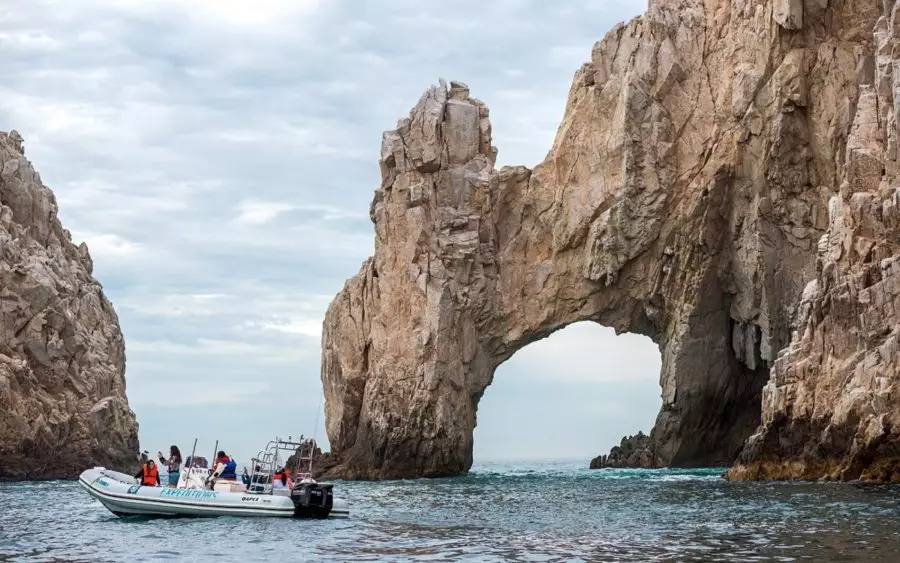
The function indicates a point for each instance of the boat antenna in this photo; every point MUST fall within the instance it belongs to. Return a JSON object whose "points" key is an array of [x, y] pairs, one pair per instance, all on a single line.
{"points": [[193, 461], [212, 460]]}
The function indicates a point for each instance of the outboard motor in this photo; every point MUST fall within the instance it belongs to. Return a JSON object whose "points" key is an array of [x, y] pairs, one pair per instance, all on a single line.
{"points": [[312, 500]]}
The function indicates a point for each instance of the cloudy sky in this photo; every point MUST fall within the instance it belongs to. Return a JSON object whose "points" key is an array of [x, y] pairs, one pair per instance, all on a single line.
{"points": [[219, 157]]}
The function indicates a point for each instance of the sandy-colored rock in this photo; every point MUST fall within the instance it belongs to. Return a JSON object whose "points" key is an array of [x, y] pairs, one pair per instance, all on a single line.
{"points": [[62, 356], [723, 182], [789, 13]]}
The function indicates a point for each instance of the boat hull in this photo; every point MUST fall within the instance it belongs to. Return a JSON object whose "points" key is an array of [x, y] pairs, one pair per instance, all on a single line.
{"points": [[121, 496]]}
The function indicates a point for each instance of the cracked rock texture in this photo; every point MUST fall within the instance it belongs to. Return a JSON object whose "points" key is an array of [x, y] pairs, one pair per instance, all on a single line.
{"points": [[62, 356], [723, 182]]}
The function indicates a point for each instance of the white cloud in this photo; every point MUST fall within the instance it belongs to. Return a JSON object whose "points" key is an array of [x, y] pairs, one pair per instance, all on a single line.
{"points": [[259, 212], [188, 305], [34, 42], [303, 326], [108, 246], [260, 14], [587, 352], [195, 393], [260, 354], [250, 212]]}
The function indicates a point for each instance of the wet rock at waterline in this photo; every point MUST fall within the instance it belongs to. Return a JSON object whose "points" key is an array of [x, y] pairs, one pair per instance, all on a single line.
{"points": [[723, 182], [62, 357], [633, 452]]}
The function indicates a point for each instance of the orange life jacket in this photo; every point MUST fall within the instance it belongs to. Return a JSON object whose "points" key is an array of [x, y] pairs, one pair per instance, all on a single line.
{"points": [[151, 476]]}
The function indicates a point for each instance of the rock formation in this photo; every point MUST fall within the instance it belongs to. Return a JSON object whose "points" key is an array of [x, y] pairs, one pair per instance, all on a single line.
{"points": [[633, 451], [62, 356], [723, 182], [323, 464]]}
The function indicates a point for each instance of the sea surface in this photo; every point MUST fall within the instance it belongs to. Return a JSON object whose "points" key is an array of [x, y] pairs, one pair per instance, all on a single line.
{"points": [[500, 512]]}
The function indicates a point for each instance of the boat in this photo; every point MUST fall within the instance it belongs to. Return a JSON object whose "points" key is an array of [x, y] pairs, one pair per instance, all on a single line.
{"points": [[199, 494]]}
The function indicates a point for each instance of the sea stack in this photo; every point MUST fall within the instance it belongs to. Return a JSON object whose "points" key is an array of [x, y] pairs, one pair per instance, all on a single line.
{"points": [[724, 181], [632, 451], [62, 356]]}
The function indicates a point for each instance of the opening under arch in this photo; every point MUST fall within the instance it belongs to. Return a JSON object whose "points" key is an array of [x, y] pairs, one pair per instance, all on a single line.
{"points": [[569, 396]]}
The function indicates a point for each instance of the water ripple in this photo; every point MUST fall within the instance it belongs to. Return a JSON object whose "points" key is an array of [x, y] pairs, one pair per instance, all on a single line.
{"points": [[549, 512]]}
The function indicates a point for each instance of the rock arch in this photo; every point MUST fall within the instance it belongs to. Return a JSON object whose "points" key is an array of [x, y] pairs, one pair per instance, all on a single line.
{"points": [[682, 200]]}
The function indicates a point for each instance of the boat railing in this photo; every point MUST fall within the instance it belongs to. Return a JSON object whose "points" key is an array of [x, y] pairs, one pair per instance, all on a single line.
{"points": [[269, 461]]}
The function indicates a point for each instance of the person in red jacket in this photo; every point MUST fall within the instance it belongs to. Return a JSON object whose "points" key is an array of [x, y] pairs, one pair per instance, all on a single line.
{"points": [[149, 474]]}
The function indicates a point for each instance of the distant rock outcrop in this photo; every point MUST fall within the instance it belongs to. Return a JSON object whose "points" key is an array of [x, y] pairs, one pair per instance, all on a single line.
{"points": [[725, 181], [323, 464], [62, 357], [633, 452]]}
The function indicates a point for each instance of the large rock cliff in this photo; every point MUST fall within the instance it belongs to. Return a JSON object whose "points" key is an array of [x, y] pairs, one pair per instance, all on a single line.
{"points": [[62, 356], [722, 182]]}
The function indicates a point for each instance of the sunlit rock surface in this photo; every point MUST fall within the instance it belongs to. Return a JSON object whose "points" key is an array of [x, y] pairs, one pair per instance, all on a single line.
{"points": [[62, 357], [723, 182]]}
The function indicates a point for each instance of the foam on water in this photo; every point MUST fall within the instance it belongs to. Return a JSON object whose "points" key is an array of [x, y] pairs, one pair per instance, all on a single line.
{"points": [[500, 512]]}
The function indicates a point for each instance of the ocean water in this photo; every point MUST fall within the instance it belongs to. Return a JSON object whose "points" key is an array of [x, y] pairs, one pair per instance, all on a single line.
{"points": [[500, 512]]}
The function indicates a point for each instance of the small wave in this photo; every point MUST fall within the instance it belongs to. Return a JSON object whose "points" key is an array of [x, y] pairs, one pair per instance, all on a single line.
{"points": [[548, 512]]}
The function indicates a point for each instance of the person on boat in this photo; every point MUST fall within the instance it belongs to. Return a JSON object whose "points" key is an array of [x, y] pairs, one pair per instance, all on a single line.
{"points": [[282, 479], [226, 468], [173, 464], [279, 479], [149, 474]]}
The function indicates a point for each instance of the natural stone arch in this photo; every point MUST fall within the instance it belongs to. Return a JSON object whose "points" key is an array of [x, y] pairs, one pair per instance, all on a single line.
{"points": [[473, 264], [681, 200]]}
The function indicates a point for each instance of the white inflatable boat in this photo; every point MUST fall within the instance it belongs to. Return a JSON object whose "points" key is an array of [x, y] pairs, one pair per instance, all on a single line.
{"points": [[123, 496]]}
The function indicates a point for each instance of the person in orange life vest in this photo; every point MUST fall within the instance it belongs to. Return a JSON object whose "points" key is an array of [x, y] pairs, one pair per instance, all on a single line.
{"points": [[281, 478], [149, 474], [226, 467]]}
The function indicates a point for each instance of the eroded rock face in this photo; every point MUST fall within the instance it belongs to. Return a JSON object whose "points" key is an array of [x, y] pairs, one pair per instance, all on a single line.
{"points": [[62, 356], [832, 405], [722, 182]]}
